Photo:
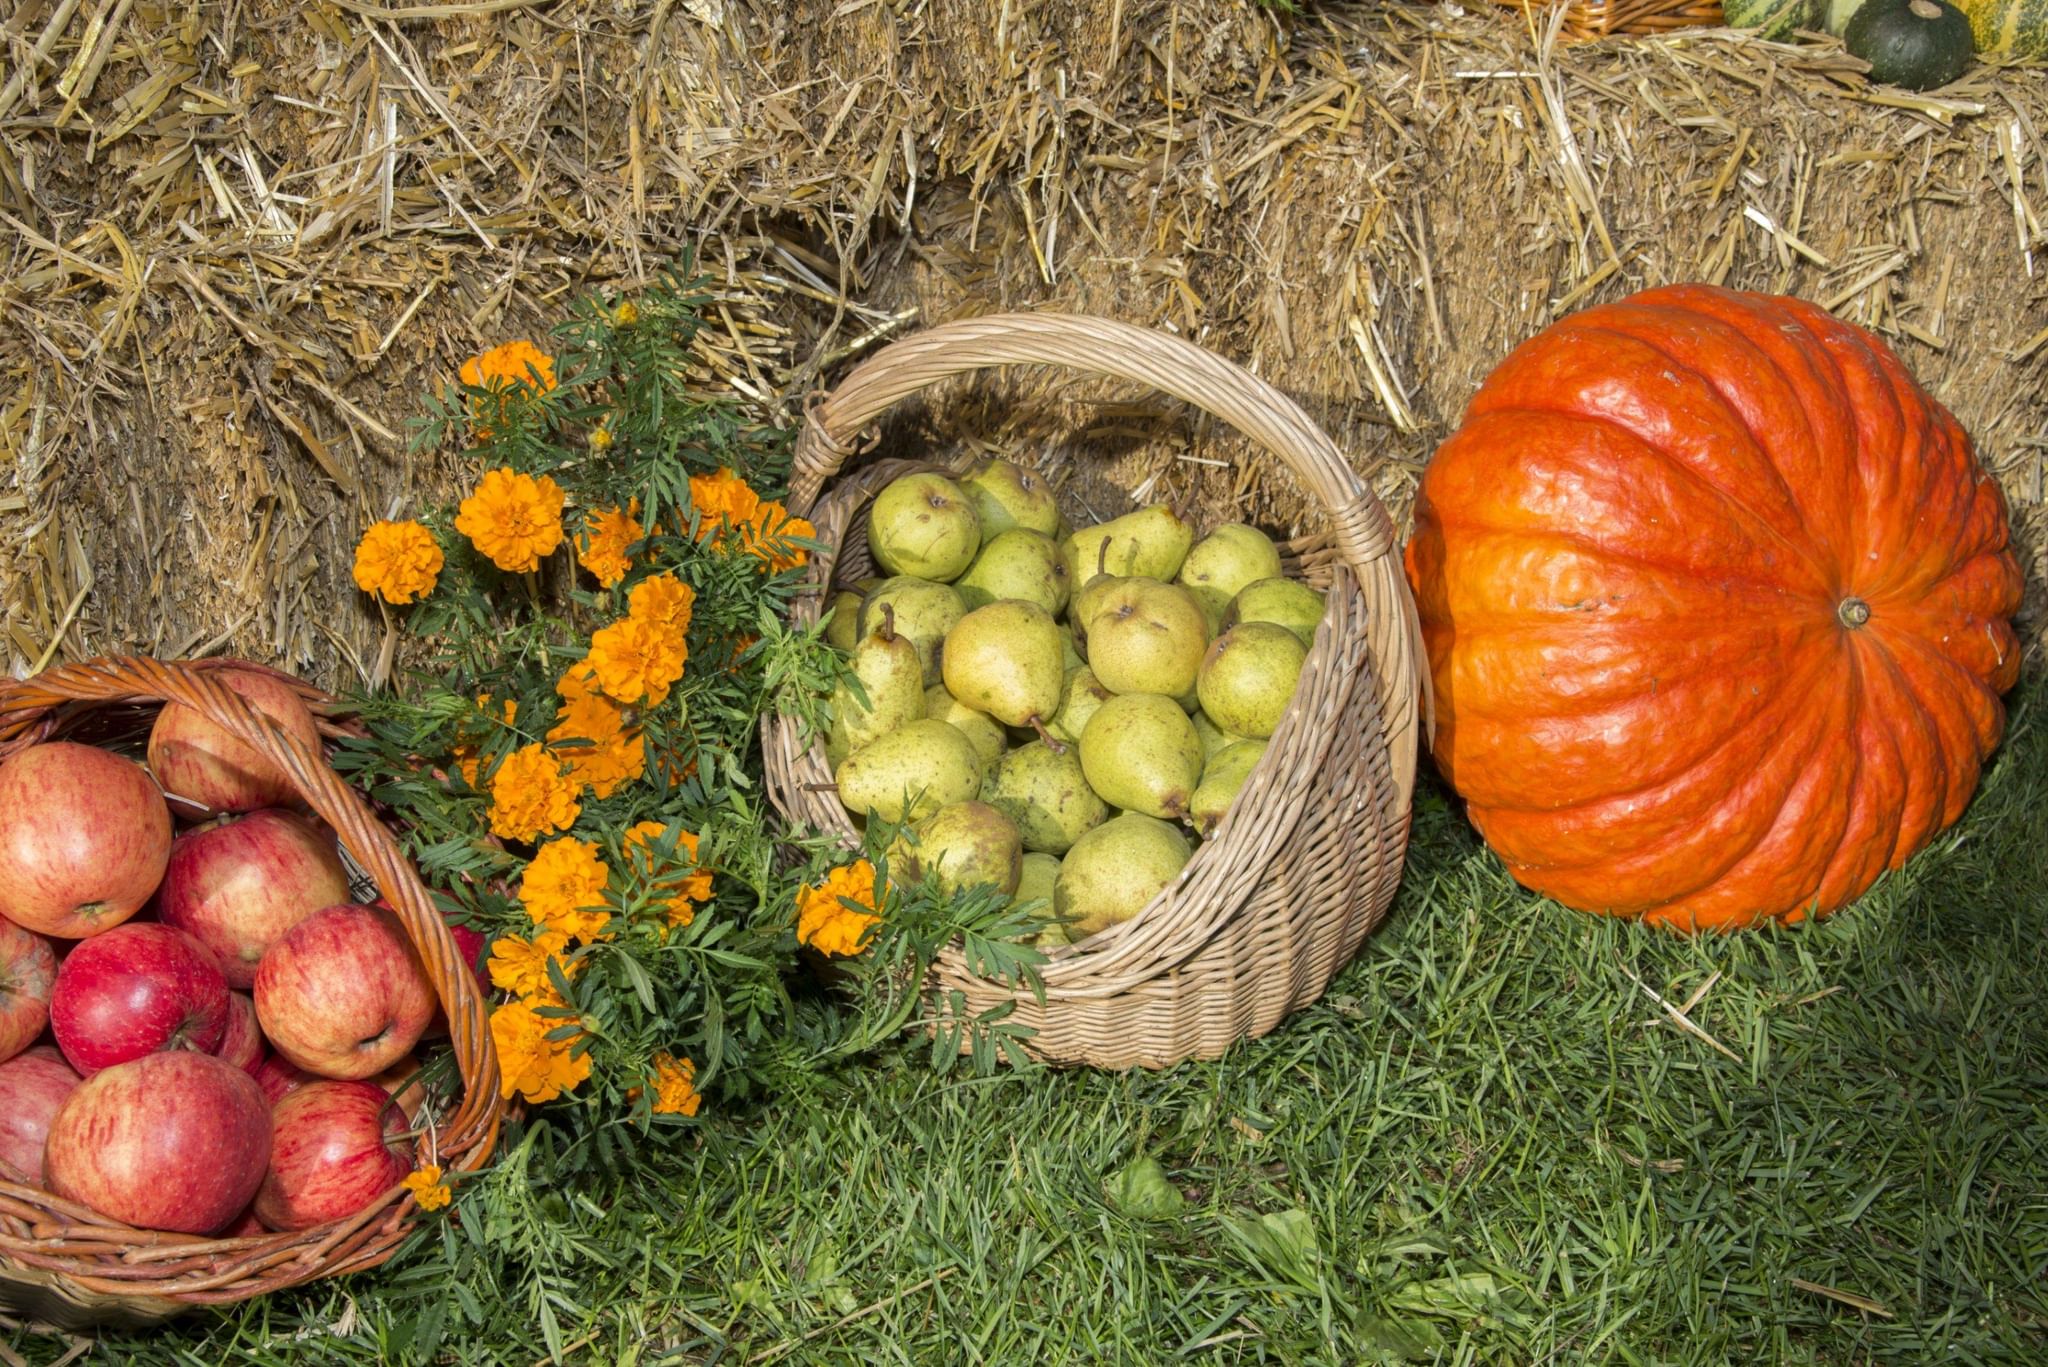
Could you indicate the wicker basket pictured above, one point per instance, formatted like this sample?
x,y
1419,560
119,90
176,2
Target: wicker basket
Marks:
x,y
1587,19
67,1265
1308,859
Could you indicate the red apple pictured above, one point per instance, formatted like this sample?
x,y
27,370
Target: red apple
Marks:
x,y
334,1148
176,1141
213,772
343,993
32,1086
402,1081
241,1043
238,885
279,1078
28,970
136,990
84,835
245,1225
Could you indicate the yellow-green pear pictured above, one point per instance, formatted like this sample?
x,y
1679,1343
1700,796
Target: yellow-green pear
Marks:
x,y
1248,677
1115,870
1039,871
1079,698
1151,541
1018,563
1007,495
1004,659
966,845
924,524
1223,562
888,672
1283,602
910,773
921,610
1045,793
842,625
1210,734
979,727
1147,637
1222,776
1140,752
1071,658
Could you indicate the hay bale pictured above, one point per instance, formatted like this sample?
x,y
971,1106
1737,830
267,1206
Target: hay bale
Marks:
x,y
237,254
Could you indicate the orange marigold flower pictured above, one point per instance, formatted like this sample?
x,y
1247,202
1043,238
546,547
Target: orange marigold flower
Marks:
x,y
534,1066
679,888
610,751
825,922
429,1192
397,561
602,547
637,660
772,538
514,519
514,363
664,601
563,889
531,795
675,1091
722,500
521,966
465,754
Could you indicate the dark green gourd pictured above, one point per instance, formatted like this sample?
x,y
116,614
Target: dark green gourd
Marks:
x,y
1912,44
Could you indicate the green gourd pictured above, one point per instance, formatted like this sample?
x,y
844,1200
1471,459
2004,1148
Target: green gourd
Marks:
x,y
1912,44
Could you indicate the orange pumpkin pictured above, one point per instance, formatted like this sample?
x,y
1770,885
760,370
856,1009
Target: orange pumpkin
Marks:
x,y
1717,603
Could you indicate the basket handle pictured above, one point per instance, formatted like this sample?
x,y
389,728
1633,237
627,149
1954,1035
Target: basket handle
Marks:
x,y
1360,529
26,709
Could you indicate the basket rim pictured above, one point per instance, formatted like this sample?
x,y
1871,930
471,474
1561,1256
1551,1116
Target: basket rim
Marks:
x,y
106,1270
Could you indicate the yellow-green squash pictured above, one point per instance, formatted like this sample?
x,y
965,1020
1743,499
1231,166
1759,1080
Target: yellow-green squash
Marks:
x,y
2012,28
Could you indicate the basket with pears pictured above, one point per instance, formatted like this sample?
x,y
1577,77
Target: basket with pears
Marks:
x,y
1188,744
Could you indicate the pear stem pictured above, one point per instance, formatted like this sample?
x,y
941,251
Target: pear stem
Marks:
x,y
1052,742
888,631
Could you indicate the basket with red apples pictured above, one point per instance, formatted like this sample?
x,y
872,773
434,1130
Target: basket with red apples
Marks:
x,y
232,1025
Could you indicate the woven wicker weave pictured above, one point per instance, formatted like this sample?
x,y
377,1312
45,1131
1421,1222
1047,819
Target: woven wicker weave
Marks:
x,y
67,1265
1308,859
1587,19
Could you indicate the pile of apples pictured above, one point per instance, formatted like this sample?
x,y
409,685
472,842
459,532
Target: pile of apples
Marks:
x,y
230,1036
1059,713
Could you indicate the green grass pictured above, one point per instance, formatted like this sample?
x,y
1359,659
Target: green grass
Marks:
x,y
1486,1144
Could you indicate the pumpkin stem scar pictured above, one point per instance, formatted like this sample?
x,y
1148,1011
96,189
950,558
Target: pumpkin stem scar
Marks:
x,y
1853,612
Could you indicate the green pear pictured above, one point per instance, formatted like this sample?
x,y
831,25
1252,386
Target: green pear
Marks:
x,y
1147,637
1210,734
1004,659
1248,677
1140,752
1039,871
1016,564
1115,870
910,773
924,525
1225,561
1044,791
842,625
1151,542
966,845
1283,602
1087,601
887,668
979,727
1007,495
923,611
1079,698
1071,658
1222,776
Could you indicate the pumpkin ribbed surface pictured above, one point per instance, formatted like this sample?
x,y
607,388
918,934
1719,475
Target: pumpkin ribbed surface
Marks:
x,y
1717,605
